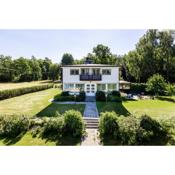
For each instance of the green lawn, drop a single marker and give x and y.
(155, 108)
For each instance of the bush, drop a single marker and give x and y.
(116, 93)
(65, 93)
(108, 126)
(12, 126)
(128, 127)
(20, 91)
(65, 98)
(100, 96)
(170, 89)
(150, 132)
(73, 123)
(53, 127)
(156, 85)
(81, 96)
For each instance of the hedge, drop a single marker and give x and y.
(132, 130)
(9, 93)
(70, 123)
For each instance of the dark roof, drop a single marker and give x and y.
(90, 65)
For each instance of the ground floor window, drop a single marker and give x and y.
(68, 86)
(101, 87)
(79, 86)
(112, 87)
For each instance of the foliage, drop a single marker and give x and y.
(81, 96)
(154, 53)
(13, 126)
(138, 87)
(128, 127)
(67, 59)
(150, 132)
(4, 94)
(108, 126)
(24, 69)
(170, 89)
(65, 93)
(100, 96)
(156, 85)
(73, 123)
(53, 127)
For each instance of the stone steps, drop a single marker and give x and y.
(91, 123)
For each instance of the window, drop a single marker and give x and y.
(112, 87)
(79, 86)
(68, 86)
(106, 71)
(74, 71)
(101, 87)
(96, 71)
(85, 71)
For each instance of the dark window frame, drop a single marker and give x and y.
(74, 71)
(106, 71)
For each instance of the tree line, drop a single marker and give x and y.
(24, 69)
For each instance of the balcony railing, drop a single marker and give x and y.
(90, 77)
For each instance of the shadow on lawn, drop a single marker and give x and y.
(166, 99)
(12, 140)
(113, 106)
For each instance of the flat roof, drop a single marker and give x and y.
(89, 65)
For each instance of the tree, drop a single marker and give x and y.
(156, 85)
(6, 68)
(54, 71)
(103, 55)
(67, 59)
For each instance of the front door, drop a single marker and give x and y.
(90, 89)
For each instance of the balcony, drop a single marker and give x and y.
(90, 77)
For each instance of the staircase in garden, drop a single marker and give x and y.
(91, 123)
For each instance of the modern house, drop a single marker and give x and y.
(90, 78)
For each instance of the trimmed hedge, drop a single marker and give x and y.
(9, 93)
(100, 96)
(136, 131)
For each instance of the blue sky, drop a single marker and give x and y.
(53, 43)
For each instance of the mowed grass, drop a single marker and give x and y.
(4, 86)
(164, 108)
(29, 104)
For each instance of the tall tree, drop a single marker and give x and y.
(54, 71)
(67, 59)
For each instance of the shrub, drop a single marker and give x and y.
(81, 96)
(20, 91)
(12, 126)
(73, 123)
(150, 132)
(65, 98)
(156, 85)
(128, 127)
(100, 96)
(116, 93)
(65, 93)
(170, 89)
(53, 127)
(108, 125)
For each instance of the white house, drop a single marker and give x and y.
(90, 78)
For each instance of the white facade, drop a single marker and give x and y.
(90, 78)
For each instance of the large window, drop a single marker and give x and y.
(85, 71)
(106, 71)
(80, 86)
(74, 71)
(101, 87)
(68, 86)
(112, 87)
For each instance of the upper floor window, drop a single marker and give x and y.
(85, 71)
(106, 71)
(74, 71)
